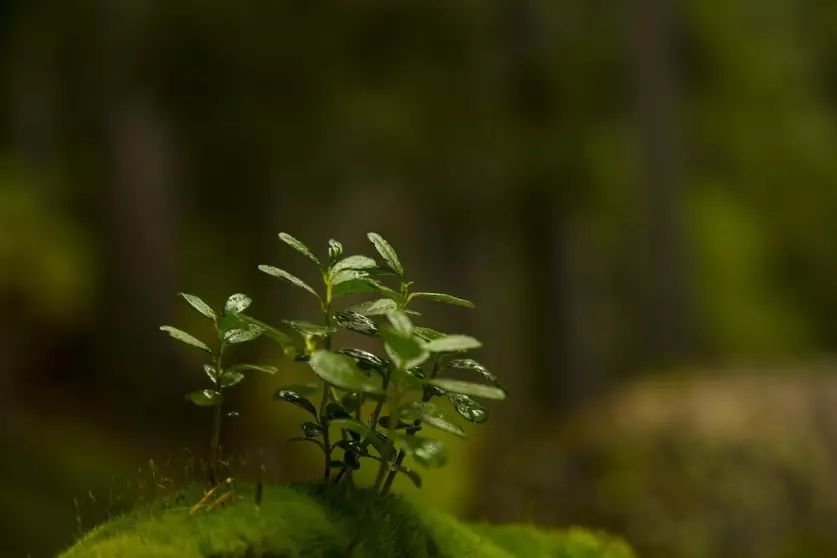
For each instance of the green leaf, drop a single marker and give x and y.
(243, 335)
(405, 350)
(346, 275)
(302, 389)
(431, 415)
(335, 251)
(357, 263)
(311, 429)
(210, 371)
(341, 372)
(289, 346)
(400, 322)
(447, 299)
(229, 379)
(294, 398)
(452, 343)
(284, 275)
(427, 453)
(205, 398)
(359, 285)
(374, 307)
(468, 409)
(356, 322)
(184, 337)
(199, 305)
(307, 329)
(299, 247)
(363, 430)
(471, 364)
(412, 475)
(256, 367)
(467, 388)
(237, 303)
(364, 357)
(387, 253)
(428, 334)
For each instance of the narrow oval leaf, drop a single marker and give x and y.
(242, 335)
(412, 475)
(303, 389)
(256, 367)
(467, 388)
(199, 305)
(431, 415)
(363, 430)
(210, 371)
(445, 298)
(237, 303)
(184, 337)
(335, 251)
(357, 263)
(400, 322)
(428, 334)
(387, 253)
(471, 364)
(364, 357)
(299, 247)
(289, 346)
(229, 379)
(307, 329)
(405, 350)
(294, 398)
(340, 371)
(452, 343)
(374, 307)
(285, 276)
(356, 322)
(468, 409)
(205, 398)
(336, 411)
(346, 276)
(311, 429)
(359, 285)
(427, 453)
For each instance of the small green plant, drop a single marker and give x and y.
(358, 386)
(229, 330)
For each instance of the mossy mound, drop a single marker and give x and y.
(318, 521)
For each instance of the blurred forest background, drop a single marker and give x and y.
(640, 197)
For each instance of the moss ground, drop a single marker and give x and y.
(309, 521)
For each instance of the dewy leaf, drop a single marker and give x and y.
(184, 337)
(199, 305)
(356, 322)
(428, 334)
(357, 263)
(229, 379)
(471, 364)
(205, 398)
(430, 415)
(387, 253)
(427, 453)
(335, 251)
(405, 350)
(302, 389)
(294, 398)
(345, 276)
(210, 371)
(299, 247)
(365, 357)
(360, 285)
(284, 275)
(467, 388)
(452, 343)
(289, 347)
(311, 429)
(447, 299)
(468, 409)
(374, 307)
(256, 367)
(412, 475)
(243, 335)
(359, 428)
(400, 322)
(307, 329)
(341, 372)
(237, 303)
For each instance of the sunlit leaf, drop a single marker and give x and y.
(256, 367)
(355, 262)
(299, 247)
(237, 303)
(468, 409)
(346, 276)
(335, 251)
(405, 350)
(229, 379)
(184, 337)
(467, 388)
(243, 335)
(205, 398)
(307, 329)
(294, 398)
(210, 371)
(285, 276)
(374, 307)
(340, 371)
(387, 253)
(431, 415)
(289, 346)
(356, 322)
(400, 322)
(359, 285)
(452, 343)
(428, 334)
(471, 364)
(365, 358)
(427, 452)
(447, 299)
(199, 305)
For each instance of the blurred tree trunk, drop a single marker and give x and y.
(664, 299)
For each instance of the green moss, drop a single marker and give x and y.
(318, 521)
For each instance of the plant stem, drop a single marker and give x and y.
(391, 428)
(326, 390)
(216, 424)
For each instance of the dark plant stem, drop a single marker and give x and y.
(216, 423)
(326, 392)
